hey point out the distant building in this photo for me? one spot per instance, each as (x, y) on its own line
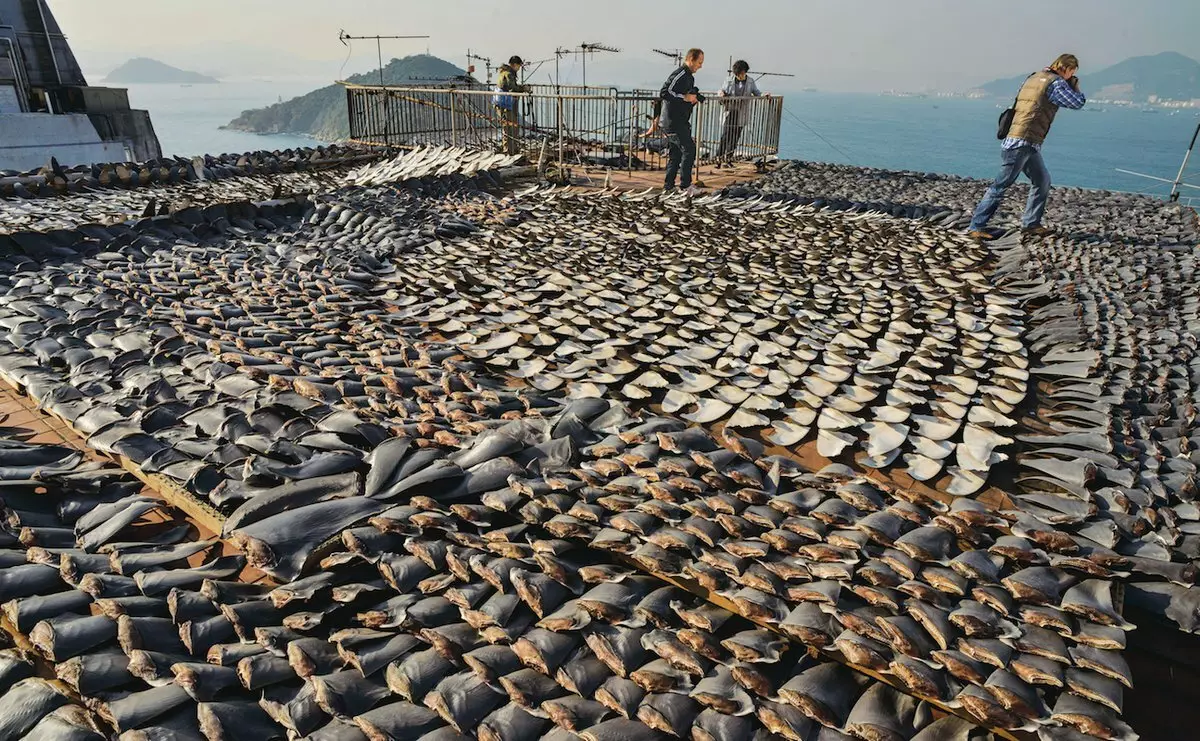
(46, 106)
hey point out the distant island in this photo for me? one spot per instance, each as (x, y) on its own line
(322, 113)
(142, 70)
(1161, 78)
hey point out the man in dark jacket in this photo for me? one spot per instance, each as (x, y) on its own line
(679, 96)
(508, 82)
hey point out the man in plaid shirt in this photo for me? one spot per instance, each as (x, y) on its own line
(1037, 104)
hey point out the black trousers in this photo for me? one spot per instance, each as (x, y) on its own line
(731, 135)
(681, 157)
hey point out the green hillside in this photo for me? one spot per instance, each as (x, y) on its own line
(322, 113)
(1168, 75)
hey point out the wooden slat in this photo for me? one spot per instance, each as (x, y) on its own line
(172, 493)
(201, 513)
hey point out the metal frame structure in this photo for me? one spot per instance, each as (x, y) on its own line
(580, 126)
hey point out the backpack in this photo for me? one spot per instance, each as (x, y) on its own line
(503, 99)
(1004, 125)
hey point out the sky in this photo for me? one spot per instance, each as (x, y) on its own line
(833, 45)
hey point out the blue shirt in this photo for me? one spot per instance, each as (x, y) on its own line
(1060, 94)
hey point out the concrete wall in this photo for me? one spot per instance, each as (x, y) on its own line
(9, 102)
(28, 140)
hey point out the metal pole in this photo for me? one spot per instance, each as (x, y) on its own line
(49, 43)
(560, 136)
(453, 119)
(632, 136)
(1186, 157)
(379, 53)
(387, 118)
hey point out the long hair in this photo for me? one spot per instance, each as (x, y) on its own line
(1065, 62)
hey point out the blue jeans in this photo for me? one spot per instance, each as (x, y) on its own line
(681, 156)
(1024, 159)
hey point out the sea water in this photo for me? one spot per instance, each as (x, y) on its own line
(945, 135)
(188, 118)
(958, 136)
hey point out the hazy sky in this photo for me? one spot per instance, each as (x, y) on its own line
(866, 45)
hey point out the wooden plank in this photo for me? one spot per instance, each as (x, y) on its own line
(172, 493)
(201, 513)
(694, 587)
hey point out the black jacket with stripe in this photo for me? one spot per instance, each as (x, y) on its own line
(677, 112)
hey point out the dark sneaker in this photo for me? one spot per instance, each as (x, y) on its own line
(1037, 231)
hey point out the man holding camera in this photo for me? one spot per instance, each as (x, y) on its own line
(1033, 112)
(679, 95)
(507, 83)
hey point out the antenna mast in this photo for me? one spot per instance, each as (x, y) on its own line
(675, 54)
(591, 48)
(344, 37)
(487, 63)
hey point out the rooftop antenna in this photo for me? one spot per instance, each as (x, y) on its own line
(487, 63)
(559, 53)
(676, 54)
(532, 66)
(758, 75)
(1177, 183)
(591, 48)
(344, 37)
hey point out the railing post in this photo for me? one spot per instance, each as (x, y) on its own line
(387, 118)
(776, 133)
(561, 153)
(632, 139)
(453, 119)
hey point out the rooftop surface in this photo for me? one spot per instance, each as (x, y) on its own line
(793, 458)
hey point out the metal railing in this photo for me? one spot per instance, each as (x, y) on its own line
(593, 126)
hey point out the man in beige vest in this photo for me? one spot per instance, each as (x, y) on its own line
(1037, 104)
